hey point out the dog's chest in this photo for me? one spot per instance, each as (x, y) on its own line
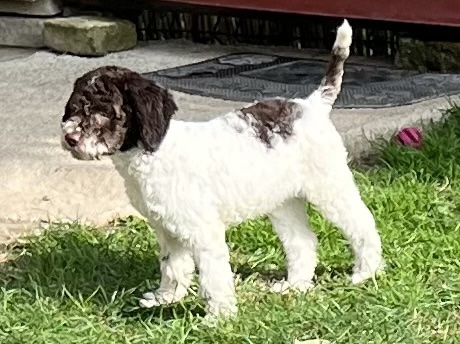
(136, 169)
(146, 179)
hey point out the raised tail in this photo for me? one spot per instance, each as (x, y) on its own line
(332, 82)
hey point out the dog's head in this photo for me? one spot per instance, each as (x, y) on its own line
(112, 108)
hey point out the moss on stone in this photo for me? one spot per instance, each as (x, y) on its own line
(89, 35)
(428, 56)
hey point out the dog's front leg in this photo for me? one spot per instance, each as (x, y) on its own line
(177, 269)
(216, 277)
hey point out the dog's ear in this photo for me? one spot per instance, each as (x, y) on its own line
(152, 107)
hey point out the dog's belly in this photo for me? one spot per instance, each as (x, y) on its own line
(233, 217)
(252, 198)
(252, 209)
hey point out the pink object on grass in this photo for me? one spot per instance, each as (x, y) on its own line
(410, 137)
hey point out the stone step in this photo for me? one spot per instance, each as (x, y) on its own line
(89, 35)
(21, 31)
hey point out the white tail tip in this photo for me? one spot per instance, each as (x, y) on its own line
(344, 35)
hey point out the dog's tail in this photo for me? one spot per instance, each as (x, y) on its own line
(332, 82)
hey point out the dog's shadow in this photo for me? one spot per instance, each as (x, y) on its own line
(107, 270)
(92, 268)
(269, 276)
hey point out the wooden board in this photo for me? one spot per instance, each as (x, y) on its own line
(438, 12)
(432, 12)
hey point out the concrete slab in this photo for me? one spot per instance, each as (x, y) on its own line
(31, 7)
(40, 182)
(13, 53)
(21, 31)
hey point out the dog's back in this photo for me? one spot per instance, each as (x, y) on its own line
(260, 145)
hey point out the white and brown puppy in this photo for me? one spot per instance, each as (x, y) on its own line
(192, 180)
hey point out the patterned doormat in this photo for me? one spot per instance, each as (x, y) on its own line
(248, 77)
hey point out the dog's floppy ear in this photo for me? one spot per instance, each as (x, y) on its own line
(152, 107)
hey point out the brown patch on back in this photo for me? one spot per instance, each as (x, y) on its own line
(272, 117)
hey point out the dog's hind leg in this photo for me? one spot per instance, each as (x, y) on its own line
(177, 269)
(290, 222)
(338, 199)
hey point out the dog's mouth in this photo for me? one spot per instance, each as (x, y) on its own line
(86, 149)
(83, 148)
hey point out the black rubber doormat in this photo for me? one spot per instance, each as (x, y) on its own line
(248, 77)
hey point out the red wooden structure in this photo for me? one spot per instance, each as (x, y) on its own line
(444, 13)
(434, 12)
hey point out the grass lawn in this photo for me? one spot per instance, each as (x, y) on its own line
(80, 285)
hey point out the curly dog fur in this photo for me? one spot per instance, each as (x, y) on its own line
(192, 180)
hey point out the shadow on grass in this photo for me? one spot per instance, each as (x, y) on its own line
(110, 269)
(87, 266)
(82, 261)
(270, 275)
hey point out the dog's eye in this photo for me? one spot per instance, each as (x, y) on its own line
(100, 120)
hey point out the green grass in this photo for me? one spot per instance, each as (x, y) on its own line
(80, 285)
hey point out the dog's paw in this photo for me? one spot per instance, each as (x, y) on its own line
(221, 310)
(361, 275)
(284, 287)
(157, 298)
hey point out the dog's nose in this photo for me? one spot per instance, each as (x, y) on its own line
(72, 139)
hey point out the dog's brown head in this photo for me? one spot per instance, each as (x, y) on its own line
(113, 108)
